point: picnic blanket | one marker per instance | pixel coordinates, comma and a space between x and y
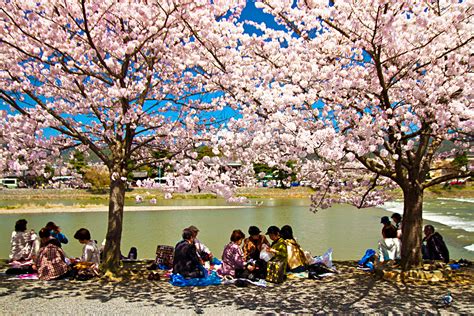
211, 278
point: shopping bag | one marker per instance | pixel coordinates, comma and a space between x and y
265, 254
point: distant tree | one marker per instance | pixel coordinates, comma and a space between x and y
43, 179
78, 162
282, 176
262, 169
204, 151
98, 177
461, 161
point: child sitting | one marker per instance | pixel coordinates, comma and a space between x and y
90, 258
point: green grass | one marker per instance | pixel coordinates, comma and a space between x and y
452, 191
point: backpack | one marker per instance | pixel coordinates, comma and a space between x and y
367, 260
132, 254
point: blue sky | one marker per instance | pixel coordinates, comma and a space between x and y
257, 15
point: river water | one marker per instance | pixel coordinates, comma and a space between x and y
347, 230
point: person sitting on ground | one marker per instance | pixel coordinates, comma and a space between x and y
433, 247
56, 233
397, 219
253, 244
24, 244
90, 251
389, 247
186, 260
296, 258
202, 250
233, 258
51, 261
388, 230
278, 247
47, 238
251, 249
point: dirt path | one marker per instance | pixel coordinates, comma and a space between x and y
349, 292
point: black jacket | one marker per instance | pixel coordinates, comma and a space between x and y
435, 248
186, 261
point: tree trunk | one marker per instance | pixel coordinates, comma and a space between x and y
114, 229
412, 227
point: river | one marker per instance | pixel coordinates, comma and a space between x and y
349, 231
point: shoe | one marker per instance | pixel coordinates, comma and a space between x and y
153, 276
153, 266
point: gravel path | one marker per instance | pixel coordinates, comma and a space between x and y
349, 292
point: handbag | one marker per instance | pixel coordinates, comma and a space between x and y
276, 271
84, 271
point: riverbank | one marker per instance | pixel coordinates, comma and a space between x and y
36, 209
35, 199
351, 291
39, 194
87, 200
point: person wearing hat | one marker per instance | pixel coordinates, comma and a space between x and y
251, 249
276, 267
389, 246
278, 247
253, 244
202, 250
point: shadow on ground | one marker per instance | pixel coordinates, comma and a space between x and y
351, 291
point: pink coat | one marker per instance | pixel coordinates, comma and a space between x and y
232, 258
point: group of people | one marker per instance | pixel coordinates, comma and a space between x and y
433, 245
250, 257
242, 257
42, 253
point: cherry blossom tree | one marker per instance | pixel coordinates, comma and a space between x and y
118, 78
373, 89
